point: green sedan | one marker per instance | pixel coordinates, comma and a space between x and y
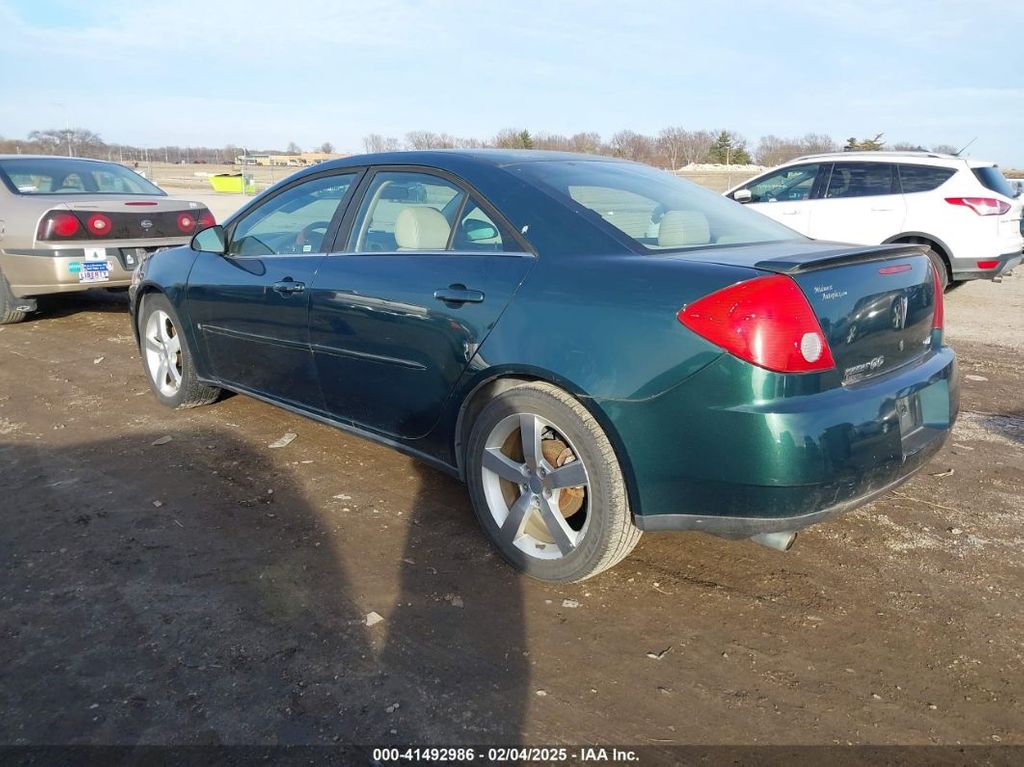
596, 348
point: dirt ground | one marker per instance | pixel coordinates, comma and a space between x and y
168, 577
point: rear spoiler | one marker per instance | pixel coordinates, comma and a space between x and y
839, 256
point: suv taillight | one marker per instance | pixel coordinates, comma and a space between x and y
766, 321
983, 206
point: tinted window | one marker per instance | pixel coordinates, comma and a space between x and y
860, 179
923, 178
991, 178
294, 221
654, 209
788, 184
406, 211
68, 175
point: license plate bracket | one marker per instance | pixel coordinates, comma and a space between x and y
94, 271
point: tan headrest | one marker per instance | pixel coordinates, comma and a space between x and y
421, 229
680, 228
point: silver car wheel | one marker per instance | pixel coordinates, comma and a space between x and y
163, 353
536, 486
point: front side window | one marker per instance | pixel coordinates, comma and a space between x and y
861, 179
656, 210
406, 211
786, 185
294, 221
68, 175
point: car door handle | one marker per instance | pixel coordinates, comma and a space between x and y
287, 287
881, 210
459, 294
790, 212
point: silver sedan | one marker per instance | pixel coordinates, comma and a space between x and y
69, 224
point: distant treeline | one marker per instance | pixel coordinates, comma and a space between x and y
672, 147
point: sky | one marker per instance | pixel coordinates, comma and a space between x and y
260, 74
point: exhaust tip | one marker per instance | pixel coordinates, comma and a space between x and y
780, 541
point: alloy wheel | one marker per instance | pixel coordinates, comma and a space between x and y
536, 486
163, 353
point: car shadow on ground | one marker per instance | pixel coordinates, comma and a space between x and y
99, 300
163, 595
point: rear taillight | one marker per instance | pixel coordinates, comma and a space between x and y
939, 315
983, 206
206, 220
988, 264
766, 321
98, 225
186, 224
58, 225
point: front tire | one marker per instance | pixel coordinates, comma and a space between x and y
167, 358
546, 485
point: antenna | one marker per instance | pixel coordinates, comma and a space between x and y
958, 153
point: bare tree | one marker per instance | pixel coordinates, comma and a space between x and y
377, 143
589, 143
293, 148
327, 147
945, 149
817, 143
696, 146
513, 138
421, 139
671, 142
633, 145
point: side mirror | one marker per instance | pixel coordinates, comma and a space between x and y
210, 240
477, 231
742, 196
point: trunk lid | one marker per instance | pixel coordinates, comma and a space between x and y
134, 218
875, 305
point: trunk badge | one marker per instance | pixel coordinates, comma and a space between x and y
146, 223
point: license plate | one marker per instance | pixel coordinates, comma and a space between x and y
909, 411
94, 271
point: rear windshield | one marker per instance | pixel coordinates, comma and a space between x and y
67, 176
991, 178
654, 209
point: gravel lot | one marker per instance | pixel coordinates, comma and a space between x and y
170, 578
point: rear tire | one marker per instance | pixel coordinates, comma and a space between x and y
167, 358
8, 314
558, 511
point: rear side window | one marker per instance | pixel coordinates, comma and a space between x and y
992, 179
860, 179
923, 178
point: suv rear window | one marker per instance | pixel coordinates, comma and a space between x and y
991, 178
923, 178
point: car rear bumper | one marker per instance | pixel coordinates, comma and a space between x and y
726, 452
37, 272
964, 269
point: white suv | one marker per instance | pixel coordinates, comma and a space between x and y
963, 210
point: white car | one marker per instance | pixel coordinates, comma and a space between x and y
967, 214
